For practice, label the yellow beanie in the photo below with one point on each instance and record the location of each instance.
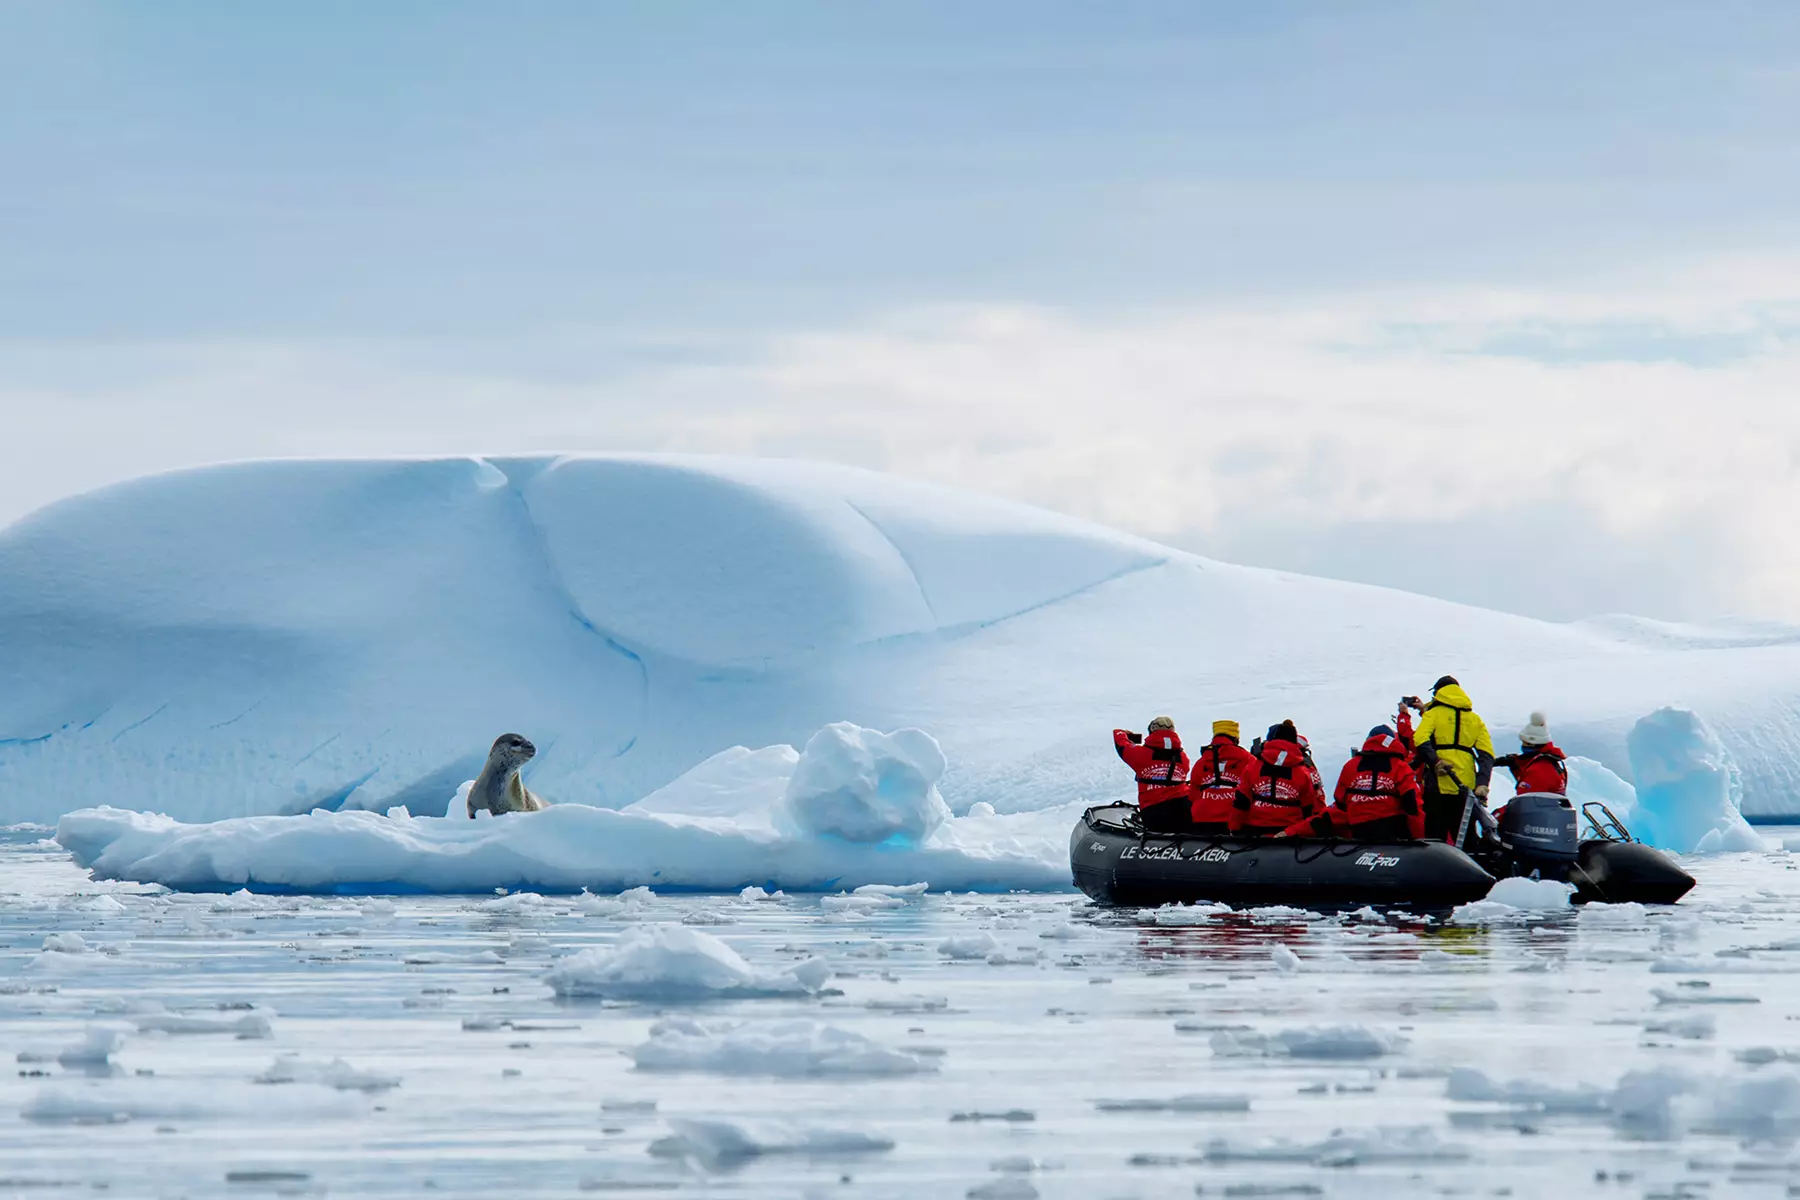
(1228, 728)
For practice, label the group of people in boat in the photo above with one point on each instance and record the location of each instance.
(1409, 780)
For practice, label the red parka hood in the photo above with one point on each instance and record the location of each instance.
(1282, 753)
(1548, 748)
(1383, 743)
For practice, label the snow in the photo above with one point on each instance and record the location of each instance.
(565, 848)
(272, 638)
(783, 1049)
(675, 963)
(864, 786)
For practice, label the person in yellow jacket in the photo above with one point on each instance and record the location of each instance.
(1452, 752)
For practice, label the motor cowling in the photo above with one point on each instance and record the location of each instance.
(1541, 826)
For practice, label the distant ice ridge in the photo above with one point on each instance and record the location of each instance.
(276, 637)
(857, 807)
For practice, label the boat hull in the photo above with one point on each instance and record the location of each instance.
(1115, 864)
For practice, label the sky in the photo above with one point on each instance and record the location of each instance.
(1495, 302)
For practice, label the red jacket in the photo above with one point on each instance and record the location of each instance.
(1213, 785)
(1277, 790)
(1377, 784)
(1539, 769)
(1160, 763)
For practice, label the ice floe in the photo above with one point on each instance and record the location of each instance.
(678, 963)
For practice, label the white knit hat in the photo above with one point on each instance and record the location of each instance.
(1536, 731)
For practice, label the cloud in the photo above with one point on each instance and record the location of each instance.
(1549, 451)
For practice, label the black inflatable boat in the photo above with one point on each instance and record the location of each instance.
(1116, 861)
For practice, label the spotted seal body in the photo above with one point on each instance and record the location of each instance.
(498, 788)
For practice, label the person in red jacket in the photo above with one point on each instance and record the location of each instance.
(1161, 766)
(1279, 789)
(1538, 766)
(1376, 799)
(1213, 783)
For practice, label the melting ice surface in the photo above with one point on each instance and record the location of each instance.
(892, 1043)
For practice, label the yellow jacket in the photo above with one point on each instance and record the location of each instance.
(1451, 724)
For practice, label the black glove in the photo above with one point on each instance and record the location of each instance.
(1256, 745)
(1507, 760)
(1136, 739)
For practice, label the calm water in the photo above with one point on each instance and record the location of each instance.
(1039, 1055)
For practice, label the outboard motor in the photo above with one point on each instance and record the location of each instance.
(1540, 827)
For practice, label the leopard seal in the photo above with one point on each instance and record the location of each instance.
(498, 788)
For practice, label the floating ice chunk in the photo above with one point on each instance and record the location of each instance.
(122, 1100)
(95, 1049)
(864, 786)
(1689, 996)
(720, 1142)
(1328, 1042)
(242, 900)
(859, 904)
(94, 904)
(970, 946)
(248, 1027)
(1195, 1103)
(627, 903)
(1188, 914)
(566, 847)
(1469, 1085)
(907, 890)
(1285, 960)
(1515, 899)
(753, 893)
(1007, 1187)
(1282, 914)
(66, 943)
(1067, 931)
(784, 1049)
(337, 1073)
(1407, 1144)
(1687, 786)
(676, 963)
(1695, 1028)
(1613, 916)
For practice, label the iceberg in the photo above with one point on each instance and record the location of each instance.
(748, 840)
(280, 638)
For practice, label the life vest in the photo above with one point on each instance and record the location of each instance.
(1540, 769)
(1213, 784)
(1278, 790)
(1158, 762)
(1378, 784)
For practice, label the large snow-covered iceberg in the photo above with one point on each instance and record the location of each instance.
(281, 637)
